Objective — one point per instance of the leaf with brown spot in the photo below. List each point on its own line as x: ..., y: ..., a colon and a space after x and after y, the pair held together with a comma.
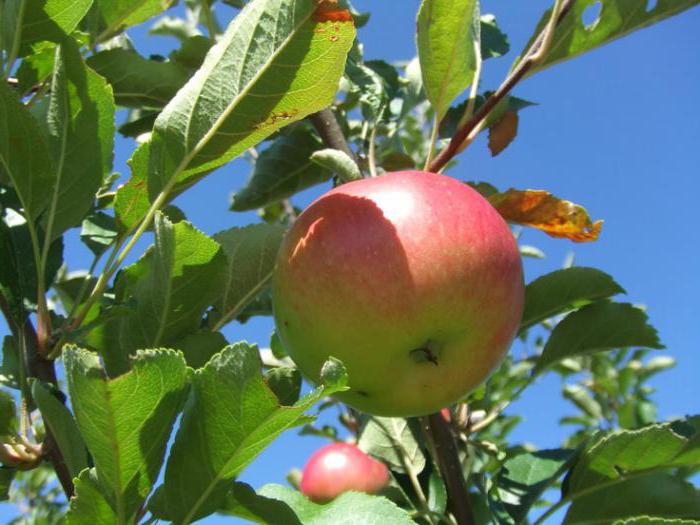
x: 542, y: 210
x: 503, y: 132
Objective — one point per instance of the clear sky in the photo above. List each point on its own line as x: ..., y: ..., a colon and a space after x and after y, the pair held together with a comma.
x: 616, y: 130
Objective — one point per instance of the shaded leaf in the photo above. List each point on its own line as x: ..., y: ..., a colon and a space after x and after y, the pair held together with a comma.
x: 659, y: 495
x: 494, y: 42
x: 278, y: 61
x: 250, y: 258
x: 9, y: 371
x: 230, y: 417
x: 448, y: 126
x: 503, y: 132
x: 446, y: 33
x: 138, y: 82
x: 617, y: 18
x: 126, y: 422
x: 392, y: 439
x: 282, y: 169
x: 349, y: 508
x: 79, y: 123
x: 98, y: 232
x: 562, y: 290
x: 243, y: 502
x: 59, y: 420
x: 200, y: 346
x: 598, y: 327
x: 43, y: 20
x: 542, y: 210
x: 285, y: 382
x: 523, y: 479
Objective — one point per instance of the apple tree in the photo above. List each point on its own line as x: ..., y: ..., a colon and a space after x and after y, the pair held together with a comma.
x: 396, y: 295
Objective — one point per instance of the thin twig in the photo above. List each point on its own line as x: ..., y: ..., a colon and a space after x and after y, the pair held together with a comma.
x: 447, y: 458
x: 331, y: 133
x: 42, y: 369
x: 536, y: 53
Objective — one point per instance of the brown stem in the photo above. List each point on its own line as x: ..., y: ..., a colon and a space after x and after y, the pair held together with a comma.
x: 44, y: 370
x: 515, y: 76
x: 445, y: 451
x: 332, y: 135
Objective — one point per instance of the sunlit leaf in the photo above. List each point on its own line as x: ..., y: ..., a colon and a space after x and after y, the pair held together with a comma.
x: 126, y: 421
x: 230, y: 417
x: 394, y: 441
x: 617, y: 18
x: 88, y: 506
x: 278, y: 61
x: 542, y: 210
x: 116, y: 15
x: 446, y: 33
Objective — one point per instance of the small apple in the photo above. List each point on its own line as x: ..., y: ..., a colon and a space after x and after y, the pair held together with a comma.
x: 341, y: 467
x: 412, y: 279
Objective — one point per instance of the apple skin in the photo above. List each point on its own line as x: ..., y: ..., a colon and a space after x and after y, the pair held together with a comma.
x: 341, y: 467
x: 412, y: 279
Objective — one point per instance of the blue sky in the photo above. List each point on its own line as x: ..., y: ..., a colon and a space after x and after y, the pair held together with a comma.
x: 615, y: 130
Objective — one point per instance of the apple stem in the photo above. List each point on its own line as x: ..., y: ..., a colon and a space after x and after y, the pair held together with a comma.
x: 444, y: 449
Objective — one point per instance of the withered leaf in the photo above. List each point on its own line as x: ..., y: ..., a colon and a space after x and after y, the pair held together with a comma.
x: 542, y: 210
x: 503, y: 132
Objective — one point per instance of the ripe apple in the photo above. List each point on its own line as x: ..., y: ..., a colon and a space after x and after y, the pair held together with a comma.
x: 411, y: 279
x: 341, y: 467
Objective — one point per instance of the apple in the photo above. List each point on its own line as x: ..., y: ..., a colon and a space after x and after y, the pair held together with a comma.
x: 341, y: 467
x: 412, y: 279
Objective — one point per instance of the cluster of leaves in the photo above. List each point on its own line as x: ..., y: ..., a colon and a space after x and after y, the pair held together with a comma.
x: 142, y: 344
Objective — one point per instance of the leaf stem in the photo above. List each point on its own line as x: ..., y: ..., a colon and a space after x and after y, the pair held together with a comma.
x: 440, y: 435
x: 536, y: 53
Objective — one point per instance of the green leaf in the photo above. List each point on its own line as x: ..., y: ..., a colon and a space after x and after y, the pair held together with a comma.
x: 200, y: 346
x: 282, y: 169
x: 79, y: 122
x: 449, y: 124
x: 172, y: 284
x: 617, y: 18
x: 334, y: 375
x: 580, y: 397
x: 131, y: 200
x: 126, y: 422
x: 250, y: 258
x: 437, y: 493
x: 393, y: 440
x: 60, y: 421
x: 88, y: 506
x: 625, y: 453
x: 18, y: 272
x: 447, y: 31
x: 338, y: 162
x: 278, y: 61
x: 659, y: 495
x: 98, y: 232
x: 230, y: 417
x: 285, y: 382
x: 523, y: 479
x: 117, y: 15
x: 45, y: 20
x: 9, y: 371
x: 349, y: 508
x: 598, y: 327
x: 564, y: 290
x: 244, y: 503
x: 138, y: 82
x: 648, y: 520
x: 25, y: 162
x: 8, y: 414
x: 7, y: 475
x: 494, y: 42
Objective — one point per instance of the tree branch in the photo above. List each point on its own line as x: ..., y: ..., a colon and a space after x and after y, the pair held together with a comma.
x: 44, y: 370
x: 332, y: 135
x: 533, y: 55
x: 447, y: 458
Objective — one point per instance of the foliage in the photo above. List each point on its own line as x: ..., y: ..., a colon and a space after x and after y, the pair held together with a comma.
x: 141, y: 347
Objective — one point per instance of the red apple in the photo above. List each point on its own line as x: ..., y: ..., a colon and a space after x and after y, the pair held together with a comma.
x: 341, y: 467
x: 412, y: 279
